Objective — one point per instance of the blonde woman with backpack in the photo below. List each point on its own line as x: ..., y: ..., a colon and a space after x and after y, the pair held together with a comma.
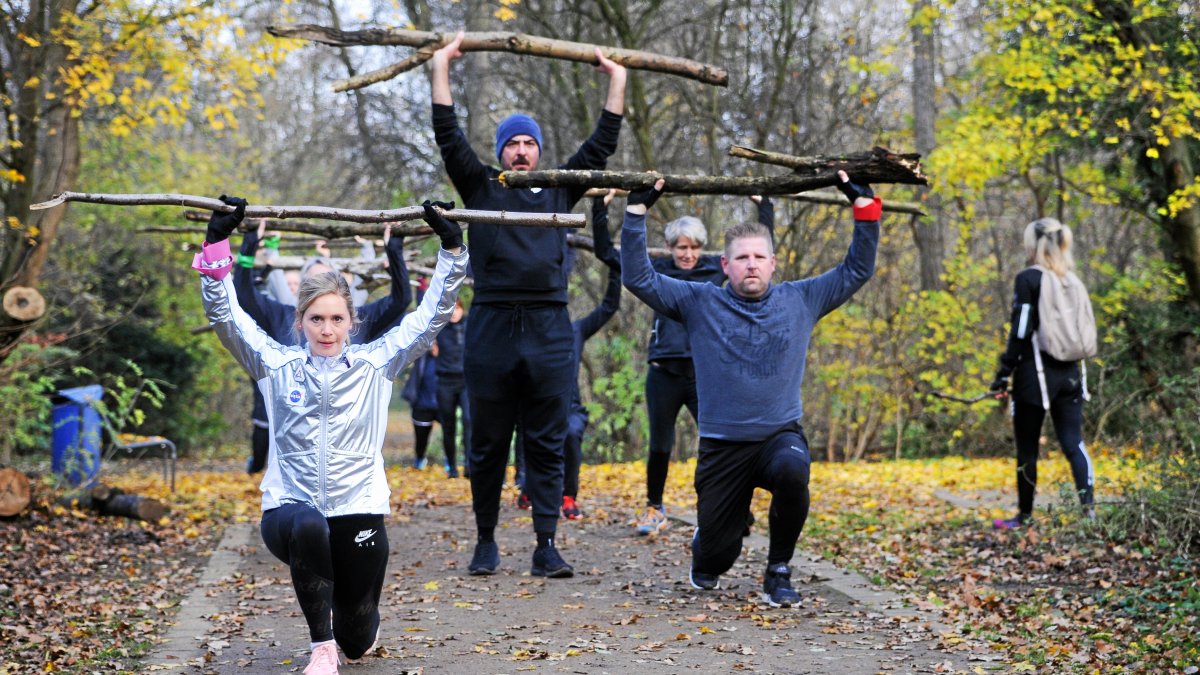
x: 1053, y: 331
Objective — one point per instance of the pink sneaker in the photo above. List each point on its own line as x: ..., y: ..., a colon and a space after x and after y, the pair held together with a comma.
x: 324, y: 660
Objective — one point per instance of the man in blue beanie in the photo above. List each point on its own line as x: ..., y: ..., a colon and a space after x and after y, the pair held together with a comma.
x: 519, y: 340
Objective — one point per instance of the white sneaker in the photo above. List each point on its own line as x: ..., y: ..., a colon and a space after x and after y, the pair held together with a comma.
x: 324, y: 660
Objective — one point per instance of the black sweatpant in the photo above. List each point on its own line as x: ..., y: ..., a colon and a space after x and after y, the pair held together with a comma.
x: 727, y: 474
x: 260, y: 446
x: 518, y: 364
x: 577, y: 423
x: 670, y: 386
x: 422, y: 421
x: 337, y: 564
x: 1066, y: 411
x: 452, y: 395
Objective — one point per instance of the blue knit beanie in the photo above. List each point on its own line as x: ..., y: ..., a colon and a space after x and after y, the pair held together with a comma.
x: 515, y: 125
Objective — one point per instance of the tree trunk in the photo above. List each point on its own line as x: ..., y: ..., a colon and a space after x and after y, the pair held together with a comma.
x: 1183, y: 229
x: 429, y: 42
x: 14, y: 492
x: 929, y: 234
x: 44, y: 149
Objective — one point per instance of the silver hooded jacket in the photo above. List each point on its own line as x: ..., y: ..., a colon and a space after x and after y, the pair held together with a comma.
x: 328, y: 415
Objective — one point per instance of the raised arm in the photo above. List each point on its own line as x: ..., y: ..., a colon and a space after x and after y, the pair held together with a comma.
x: 615, y: 101
x: 828, y: 291
x: 604, y: 251
x: 662, y: 293
x: 380, y: 316
x: 417, y: 331
x: 236, y: 330
x: 462, y: 164
x: 272, y: 316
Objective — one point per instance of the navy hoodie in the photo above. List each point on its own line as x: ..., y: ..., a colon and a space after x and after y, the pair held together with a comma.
x: 517, y: 264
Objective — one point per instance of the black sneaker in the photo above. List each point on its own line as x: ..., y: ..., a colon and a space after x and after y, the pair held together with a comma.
x: 548, y: 563
x: 777, y: 587
x: 486, y: 559
x: 704, y: 581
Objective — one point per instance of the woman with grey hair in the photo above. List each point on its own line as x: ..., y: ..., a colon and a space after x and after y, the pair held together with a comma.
x: 670, y: 377
x: 1041, y: 382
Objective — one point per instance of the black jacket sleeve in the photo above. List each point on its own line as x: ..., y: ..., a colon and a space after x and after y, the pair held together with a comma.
x: 602, y: 245
x: 463, y: 166
x: 596, y: 150
x: 766, y: 213
x: 378, y: 317
x: 1024, y: 320
x: 588, y: 325
x: 272, y: 316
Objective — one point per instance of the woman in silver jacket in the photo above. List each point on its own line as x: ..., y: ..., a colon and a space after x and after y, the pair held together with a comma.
x: 325, y: 492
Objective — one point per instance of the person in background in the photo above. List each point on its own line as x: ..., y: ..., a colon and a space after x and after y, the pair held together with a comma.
x: 421, y: 393
x: 1042, y: 383
x: 452, y: 391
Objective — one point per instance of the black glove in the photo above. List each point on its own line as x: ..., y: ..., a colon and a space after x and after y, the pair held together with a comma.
x: 1000, y: 384
x: 853, y: 190
x: 448, y: 230
x: 647, y: 197
x: 221, y: 225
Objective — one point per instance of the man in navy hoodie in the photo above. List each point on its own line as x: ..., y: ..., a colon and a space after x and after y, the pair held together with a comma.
x: 749, y: 343
x: 519, y: 339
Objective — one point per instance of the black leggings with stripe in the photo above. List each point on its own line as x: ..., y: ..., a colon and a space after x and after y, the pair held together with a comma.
x: 338, y: 567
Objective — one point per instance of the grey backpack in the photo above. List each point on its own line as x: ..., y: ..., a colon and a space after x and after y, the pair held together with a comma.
x: 1066, y: 325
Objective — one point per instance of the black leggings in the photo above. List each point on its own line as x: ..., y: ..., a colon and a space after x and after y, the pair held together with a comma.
x: 727, y: 474
x: 1066, y: 411
x: 666, y: 393
x: 452, y: 396
x: 338, y: 567
x: 423, y: 419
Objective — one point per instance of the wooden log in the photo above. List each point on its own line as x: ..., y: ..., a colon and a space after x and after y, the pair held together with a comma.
x: 829, y: 199
x: 820, y: 164
x: 14, y: 491
x: 427, y: 42
x: 134, y: 506
x: 360, y: 216
x: 876, y: 167
x: 113, y: 501
x: 24, y: 304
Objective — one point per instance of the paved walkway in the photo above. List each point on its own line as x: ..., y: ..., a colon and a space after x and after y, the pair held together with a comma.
x: 628, y: 609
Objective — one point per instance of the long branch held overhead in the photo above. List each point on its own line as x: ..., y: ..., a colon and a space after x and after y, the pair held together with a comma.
x: 877, y: 167
x: 427, y: 42
x: 368, y: 218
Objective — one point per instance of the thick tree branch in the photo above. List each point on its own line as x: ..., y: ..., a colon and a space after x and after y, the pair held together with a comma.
x: 516, y: 43
x: 820, y: 164
x: 838, y: 200
x: 876, y: 167
x: 373, y: 217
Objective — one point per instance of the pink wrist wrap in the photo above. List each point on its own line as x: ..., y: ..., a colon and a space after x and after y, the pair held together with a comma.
x: 214, y: 260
